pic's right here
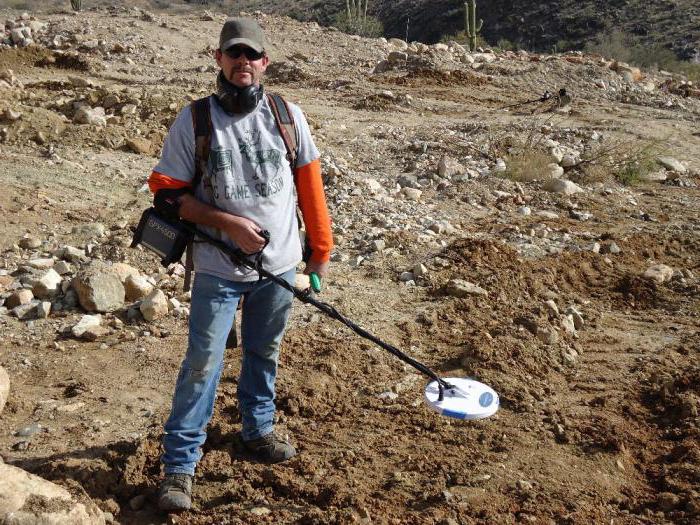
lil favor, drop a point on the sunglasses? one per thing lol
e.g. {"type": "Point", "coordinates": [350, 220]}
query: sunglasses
{"type": "Point", "coordinates": [249, 52]}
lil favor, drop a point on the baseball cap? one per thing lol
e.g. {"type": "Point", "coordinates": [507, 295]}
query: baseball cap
{"type": "Point", "coordinates": [244, 31]}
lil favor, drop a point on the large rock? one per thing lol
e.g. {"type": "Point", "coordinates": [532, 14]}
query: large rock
{"type": "Point", "coordinates": [26, 499]}
{"type": "Point", "coordinates": [4, 388]}
{"type": "Point", "coordinates": [154, 305]}
{"type": "Point", "coordinates": [99, 289]}
{"type": "Point", "coordinates": [20, 297]}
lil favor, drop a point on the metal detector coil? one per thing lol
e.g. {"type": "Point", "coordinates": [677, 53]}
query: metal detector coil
{"type": "Point", "coordinates": [463, 398]}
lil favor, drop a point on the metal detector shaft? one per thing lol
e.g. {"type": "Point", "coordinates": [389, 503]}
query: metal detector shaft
{"type": "Point", "coordinates": [240, 258]}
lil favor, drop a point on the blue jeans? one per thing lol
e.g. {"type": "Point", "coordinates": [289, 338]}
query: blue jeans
{"type": "Point", "coordinates": [265, 311]}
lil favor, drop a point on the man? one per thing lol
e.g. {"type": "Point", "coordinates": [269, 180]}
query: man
{"type": "Point", "coordinates": [247, 187]}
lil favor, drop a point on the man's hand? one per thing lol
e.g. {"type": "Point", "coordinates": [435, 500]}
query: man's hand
{"type": "Point", "coordinates": [244, 232]}
{"type": "Point", "coordinates": [321, 268]}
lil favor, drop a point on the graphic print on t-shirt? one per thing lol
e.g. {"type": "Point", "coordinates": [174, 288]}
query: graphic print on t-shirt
{"type": "Point", "coordinates": [250, 150]}
{"type": "Point", "coordinates": [258, 176]}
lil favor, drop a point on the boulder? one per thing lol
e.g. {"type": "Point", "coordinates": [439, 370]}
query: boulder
{"type": "Point", "coordinates": [26, 499]}
{"type": "Point", "coordinates": [4, 388]}
{"type": "Point", "coordinates": [99, 289]}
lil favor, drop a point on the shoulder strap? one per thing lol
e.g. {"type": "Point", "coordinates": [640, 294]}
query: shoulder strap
{"type": "Point", "coordinates": [286, 126]}
{"type": "Point", "coordinates": [201, 122]}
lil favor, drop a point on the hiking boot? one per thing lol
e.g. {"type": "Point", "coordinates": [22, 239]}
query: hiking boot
{"type": "Point", "coordinates": [175, 493]}
{"type": "Point", "coordinates": [270, 448]}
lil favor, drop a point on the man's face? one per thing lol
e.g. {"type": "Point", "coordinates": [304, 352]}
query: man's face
{"type": "Point", "coordinates": [241, 65]}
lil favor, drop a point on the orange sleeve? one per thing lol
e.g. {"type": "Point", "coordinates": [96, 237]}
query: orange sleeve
{"type": "Point", "coordinates": [158, 181]}
{"type": "Point", "coordinates": [312, 202]}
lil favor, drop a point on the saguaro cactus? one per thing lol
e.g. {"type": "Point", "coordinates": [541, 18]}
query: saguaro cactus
{"type": "Point", "coordinates": [77, 5]}
{"type": "Point", "coordinates": [355, 11]}
{"type": "Point", "coordinates": [472, 27]}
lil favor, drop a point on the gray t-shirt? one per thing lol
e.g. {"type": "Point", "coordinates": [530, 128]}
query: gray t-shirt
{"type": "Point", "coordinates": [249, 176]}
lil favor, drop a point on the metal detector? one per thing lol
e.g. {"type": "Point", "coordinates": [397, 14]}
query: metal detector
{"type": "Point", "coordinates": [460, 398]}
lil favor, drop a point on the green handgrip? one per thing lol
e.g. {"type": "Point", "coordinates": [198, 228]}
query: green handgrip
{"type": "Point", "coordinates": [315, 281]}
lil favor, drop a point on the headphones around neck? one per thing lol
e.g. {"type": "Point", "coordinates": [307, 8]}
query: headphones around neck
{"type": "Point", "coordinates": [235, 100]}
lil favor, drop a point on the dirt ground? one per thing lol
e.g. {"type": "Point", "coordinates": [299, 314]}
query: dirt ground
{"type": "Point", "coordinates": [597, 425]}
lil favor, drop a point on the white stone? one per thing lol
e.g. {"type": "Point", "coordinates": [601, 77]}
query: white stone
{"type": "Point", "coordinates": [397, 43]}
{"type": "Point", "coordinates": [154, 305]}
{"type": "Point", "coordinates": [123, 271]}
{"type": "Point", "coordinates": [86, 322]}
{"type": "Point", "coordinates": [671, 164]}
{"type": "Point", "coordinates": [88, 115]}
{"type": "Point", "coordinates": [653, 176]}
{"type": "Point", "coordinates": [567, 324]}
{"type": "Point", "coordinates": [412, 194]}
{"type": "Point", "coordinates": [48, 285]}
{"type": "Point", "coordinates": [137, 287]}
{"type": "Point", "coordinates": [420, 270]}
{"type": "Point", "coordinates": [43, 309]}
{"type": "Point", "coordinates": [42, 263]}
{"type": "Point", "coordinates": [461, 288]}
{"type": "Point", "coordinates": [659, 273]}
{"type": "Point", "coordinates": [18, 487]}
{"type": "Point", "coordinates": [568, 160]}
{"type": "Point", "coordinates": [524, 210]}
{"type": "Point", "coordinates": [449, 167]}
{"type": "Point", "coordinates": [554, 171]}
{"type": "Point", "coordinates": [563, 186]}
{"type": "Point", "coordinates": [23, 296]}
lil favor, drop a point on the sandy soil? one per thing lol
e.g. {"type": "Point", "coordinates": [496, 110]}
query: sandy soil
{"type": "Point", "coordinates": [596, 426]}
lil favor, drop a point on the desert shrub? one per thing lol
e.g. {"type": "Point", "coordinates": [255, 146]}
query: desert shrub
{"type": "Point", "coordinates": [367, 26]}
{"type": "Point", "coordinates": [615, 44]}
{"type": "Point", "coordinates": [462, 38]}
{"type": "Point", "coordinates": [620, 46]}
{"type": "Point", "coordinates": [626, 162]}
{"type": "Point", "coordinates": [526, 165]}
{"type": "Point", "coordinates": [506, 45]}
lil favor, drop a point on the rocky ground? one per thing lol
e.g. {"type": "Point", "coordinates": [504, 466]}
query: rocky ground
{"type": "Point", "coordinates": [487, 241]}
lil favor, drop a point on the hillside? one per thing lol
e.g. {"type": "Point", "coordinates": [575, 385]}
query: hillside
{"type": "Point", "coordinates": [486, 223]}
{"type": "Point", "coordinates": [567, 24]}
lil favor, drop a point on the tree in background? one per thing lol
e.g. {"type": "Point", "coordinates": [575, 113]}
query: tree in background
{"type": "Point", "coordinates": [77, 5]}
{"type": "Point", "coordinates": [354, 20]}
